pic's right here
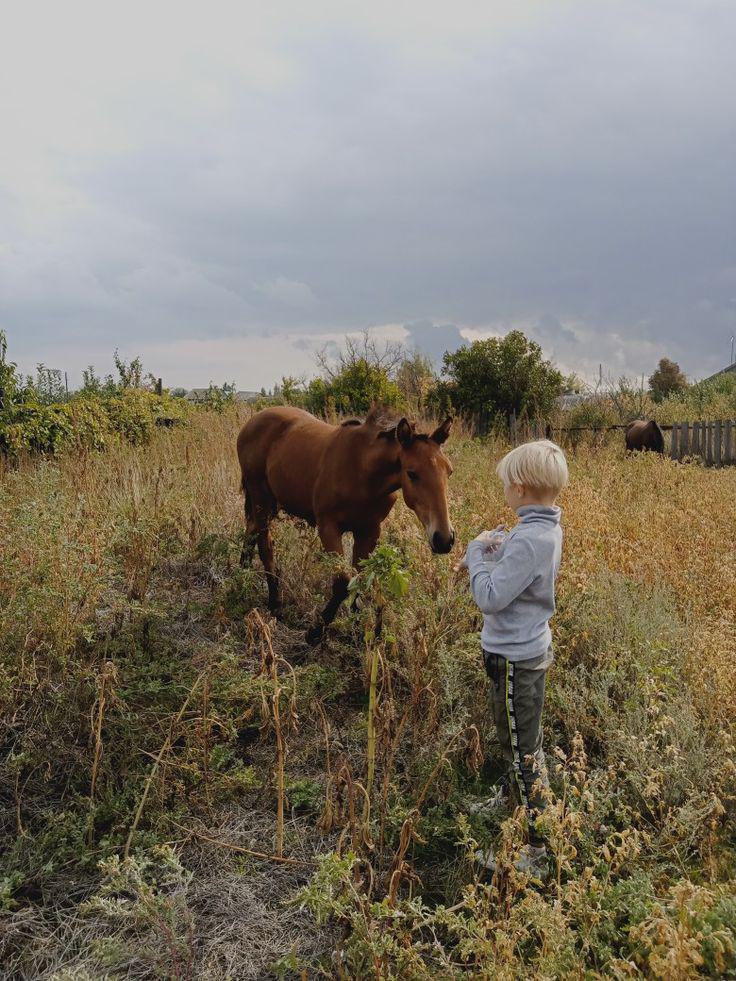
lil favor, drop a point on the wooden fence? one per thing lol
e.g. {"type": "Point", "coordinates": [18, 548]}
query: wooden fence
{"type": "Point", "coordinates": [713, 442]}
{"type": "Point", "coordinates": [518, 430]}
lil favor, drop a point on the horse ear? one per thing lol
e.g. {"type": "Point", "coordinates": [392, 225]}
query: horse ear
{"type": "Point", "coordinates": [404, 432]}
{"type": "Point", "coordinates": [442, 432]}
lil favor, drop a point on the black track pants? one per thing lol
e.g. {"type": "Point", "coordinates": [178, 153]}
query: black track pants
{"type": "Point", "coordinates": [517, 700]}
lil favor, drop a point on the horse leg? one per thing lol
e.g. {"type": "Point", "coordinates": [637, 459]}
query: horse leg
{"type": "Point", "coordinates": [265, 551]}
{"type": "Point", "coordinates": [260, 510]}
{"type": "Point", "coordinates": [363, 544]}
{"type": "Point", "coordinates": [331, 538]}
{"type": "Point", "coordinates": [251, 532]}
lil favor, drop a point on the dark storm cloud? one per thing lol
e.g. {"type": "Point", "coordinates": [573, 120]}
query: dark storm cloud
{"type": "Point", "coordinates": [434, 339]}
{"type": "Point", "coordinates": [571, 175]}
{"type": "Point", "coordinates": [549, 329]}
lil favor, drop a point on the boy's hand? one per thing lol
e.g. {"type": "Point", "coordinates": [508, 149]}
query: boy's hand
{"type": "Point", "coordinates": [490, 540]}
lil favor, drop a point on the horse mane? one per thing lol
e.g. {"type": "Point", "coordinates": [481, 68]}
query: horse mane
{"type": "Point", "coordinates": [381, 416]}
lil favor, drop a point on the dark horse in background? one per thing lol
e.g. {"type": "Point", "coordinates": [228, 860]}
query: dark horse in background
{"type": "Point", "coordinates": [643, 435]}
{"type": "Point", "coordinates": [341, 479]}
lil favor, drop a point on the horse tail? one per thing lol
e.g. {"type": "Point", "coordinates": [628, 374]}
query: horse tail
{"type": "Point", "coordinates": [658, 437]}
{"type": "Point", "coordinates": [247, 498]}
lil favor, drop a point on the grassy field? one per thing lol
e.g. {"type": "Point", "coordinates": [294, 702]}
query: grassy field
{"type": "Point", "coordinates": [188, 791]}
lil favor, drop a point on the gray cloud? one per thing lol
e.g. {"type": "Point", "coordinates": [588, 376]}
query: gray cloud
{"type": "Point", "coordinates": [434, 340]}
{"type": "Point", "coordinates": [567, 172]}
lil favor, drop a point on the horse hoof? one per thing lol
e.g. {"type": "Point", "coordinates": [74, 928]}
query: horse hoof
{"type": "Point", "coordinates": [314, 635]}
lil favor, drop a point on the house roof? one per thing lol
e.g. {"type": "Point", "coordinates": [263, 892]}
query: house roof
{"type": "Point", "coordinates": [569, 399]}
{"type": "Point", "coordinates": [723, 371]}
{"type": "Point", "coordinates": [200, 395]}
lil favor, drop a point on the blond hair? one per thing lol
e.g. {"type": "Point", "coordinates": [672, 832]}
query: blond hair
{"type": "Point", "coordinates": [540, 465]}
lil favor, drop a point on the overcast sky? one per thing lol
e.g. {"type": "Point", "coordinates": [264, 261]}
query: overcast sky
{"type": "Point", "coordinates": [223, 187]}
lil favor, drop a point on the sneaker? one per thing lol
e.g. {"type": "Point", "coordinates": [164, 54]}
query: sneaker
{"type": "Point", "coordinates": [489, 806]}
{"type": "Point", "coordinates": [532, 860]}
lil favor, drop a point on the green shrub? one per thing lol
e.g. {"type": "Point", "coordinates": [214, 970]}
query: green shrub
{"type": "Point", "coordinates": [353, 390]}
{"type": "Point", "coordinates": [502, 375]}
{"type": "Point", "coordinates": [86, 421]}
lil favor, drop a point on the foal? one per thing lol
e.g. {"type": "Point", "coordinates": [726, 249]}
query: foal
{"type": "Point", "coordinates": [341, 479]}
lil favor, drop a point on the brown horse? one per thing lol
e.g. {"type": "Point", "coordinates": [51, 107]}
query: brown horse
{"type": "Point", "coordinates": [643, 435]}
{"type": "Point", "coordinates": [341, 479]}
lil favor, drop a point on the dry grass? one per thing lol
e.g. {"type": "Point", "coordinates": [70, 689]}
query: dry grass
{"type": "Point", "coordinates": [120, 588]}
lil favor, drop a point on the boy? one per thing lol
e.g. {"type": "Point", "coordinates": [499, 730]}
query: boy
{"type": "Point", "coordinates": [512, 579]}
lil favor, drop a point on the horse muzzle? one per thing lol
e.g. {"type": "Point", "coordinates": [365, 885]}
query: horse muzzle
{"type": "Point", "coordinates": [441, 544]}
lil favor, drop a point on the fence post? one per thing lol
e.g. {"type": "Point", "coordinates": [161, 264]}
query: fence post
{"type": "Point", "coordinates": [685, 440]}
{"type": "Point", "coordinates": [717, 457]}
{"type": "Point", "coordinates": [709, 444]}
{"type": "Point", "coordinates": [159, 387]}
{"type": "Point", "coordinates": [727, 446]}
{"type": "Point", "coordinates": [673, 441]}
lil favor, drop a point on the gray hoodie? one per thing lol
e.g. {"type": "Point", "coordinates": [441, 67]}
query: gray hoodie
{"type": "Point", "coordinates": [514, 586]}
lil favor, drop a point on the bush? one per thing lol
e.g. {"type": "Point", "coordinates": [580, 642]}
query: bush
{"type": "Point", "coordinates": [666, 380]}
{"type": "Point", "coordinates": [502, 375]}
{"type": "Point", "coordinates": [416, 378]}
{"type": "Point", "coordinates": [85, 421]}
{"type": "Point", "coordinates": [713, 399]}
{"type": "Point", "coordinates": [353, 390]}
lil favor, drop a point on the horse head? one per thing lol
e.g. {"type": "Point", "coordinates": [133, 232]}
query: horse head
{"type": "Point", "coordinates": [424, 473]}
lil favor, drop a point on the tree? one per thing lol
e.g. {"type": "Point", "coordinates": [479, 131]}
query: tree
{"type": "Point", "coordinates": [8, 373]}
{"type": "Point", "coordinates": [291, 390]}
{"type": "Point", "coordinates": [218, 396]}
{"type": "Point", "coordinates": [666, 379]}
{"type": "Point", "coordinates": [131, 375]}
{"type": "Point", "coordinates": [415, 378]}
{"type": "Point", "coordinates": [359, 378]}
{"type": "Point", "coordinates": [49, 387]}
{"type": "Point", "coordinates": [503, 375]}
{"type": "Point", "coordinates": [385, 358]}
{"type": "Point", "coordinates": [353, 390]}
{"type": "Point", "coordinates": [91, 382]}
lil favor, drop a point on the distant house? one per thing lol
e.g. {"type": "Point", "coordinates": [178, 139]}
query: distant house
{"type": "Point", "coordinates": [723, 371]}
{"type": "Point", "coordinates": [570, 399]}
{"type": "Point", "coordinates": [199, 395]}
